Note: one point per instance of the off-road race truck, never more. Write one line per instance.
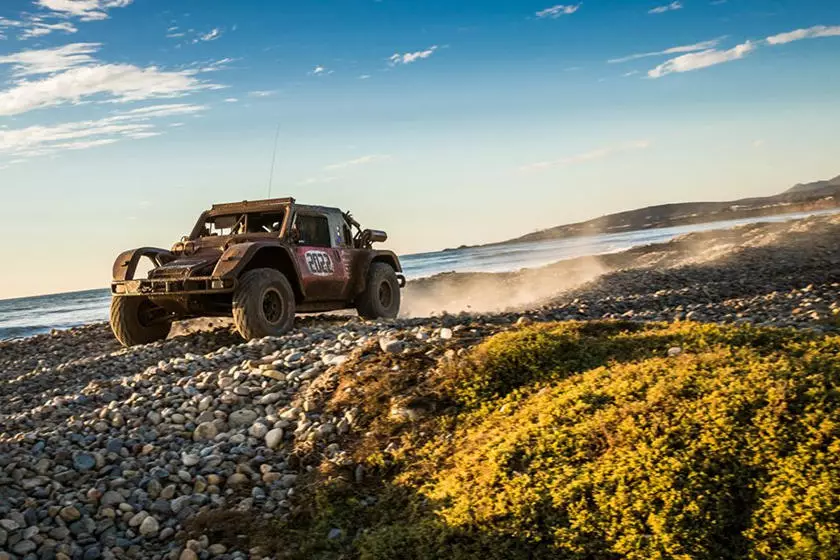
(260, 262)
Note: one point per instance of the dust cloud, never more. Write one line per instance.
(493, 292)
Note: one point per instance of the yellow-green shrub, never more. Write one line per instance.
(589, 441)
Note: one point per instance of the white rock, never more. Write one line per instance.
(271, 398)
(204, 431)
(391, 346)
(242, 418)
(274, 438)
(189, 459)
(149, 527)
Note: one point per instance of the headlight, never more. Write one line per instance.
(178, 248)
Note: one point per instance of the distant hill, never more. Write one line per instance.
(800, 198)
(815, 186)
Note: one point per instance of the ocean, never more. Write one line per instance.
(29, 316)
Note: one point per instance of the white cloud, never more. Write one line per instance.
(85, 10)
(40, 140)
(49, 61)
(262, 93)
(364, 77)
(117, 82)
(211, 35)
(159, 111)
(319, 71)
(38, 28)
(215, 66)
(809, 33)
(702, 46)
(231, 100)
(676, 5)
(600, 153)
(559, 10)
(34, 26)
(408, 58)
(703, 59)
(364, 160)
(73, 76)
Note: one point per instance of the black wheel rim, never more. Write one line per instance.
(149, 314)
(386, 295)
(272, 306)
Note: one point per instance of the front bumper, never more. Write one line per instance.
(173, 286)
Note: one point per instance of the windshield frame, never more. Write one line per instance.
(198, 229)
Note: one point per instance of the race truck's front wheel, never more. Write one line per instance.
(381, 298)
(263, 304)
(136, 320)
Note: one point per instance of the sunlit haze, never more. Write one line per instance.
(442, 122)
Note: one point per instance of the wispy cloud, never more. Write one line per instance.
(319, 71)
(408, 58)
(676, 5)
(70, 75)
(364, 160)
(34, 26)
(702, 46)
(703, 59)
(174, 32)
(713, 56)
(85, 10)
(809, 33)
(211, 35)
(262, 93)
(585, 157)
(49, 61)
(555, 12)
(231, 100)
(39, 29)
(135, 124)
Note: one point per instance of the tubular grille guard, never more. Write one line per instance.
(165, 286)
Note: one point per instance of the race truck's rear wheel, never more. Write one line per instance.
(263, 304)
(381, 298)
(136, 320)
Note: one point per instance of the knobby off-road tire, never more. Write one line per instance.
(132, 320)
(263, 304)
(381, 298)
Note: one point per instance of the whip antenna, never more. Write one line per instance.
(273, 160)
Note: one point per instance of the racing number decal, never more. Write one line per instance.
(319, 263)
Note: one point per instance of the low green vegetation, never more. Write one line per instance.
(601, 440)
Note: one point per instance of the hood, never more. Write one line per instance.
(200, 264)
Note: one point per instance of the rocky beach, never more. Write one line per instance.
(161, 451)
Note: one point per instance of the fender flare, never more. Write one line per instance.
(237, 257)
(374, 256)
(125, 264)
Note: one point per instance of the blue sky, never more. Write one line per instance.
(443, 122)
